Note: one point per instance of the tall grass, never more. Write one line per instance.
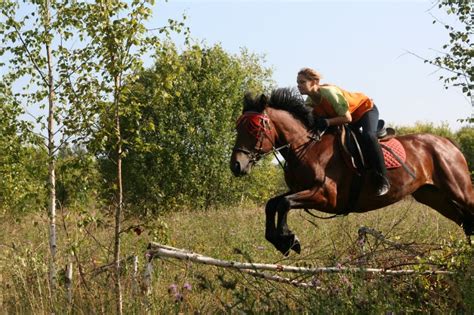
(423, 238)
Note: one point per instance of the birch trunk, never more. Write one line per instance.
(51, 149)
(118, 210)
(68, 280)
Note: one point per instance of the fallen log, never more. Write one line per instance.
(159, 250)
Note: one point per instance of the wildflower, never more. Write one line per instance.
(173, 289)
(315, 282)
(187, 286)
(345, 280)
(178, 297)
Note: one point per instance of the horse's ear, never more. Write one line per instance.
(249, 101)
(255, 103)
(262, 102)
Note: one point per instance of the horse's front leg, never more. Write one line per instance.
(287, 240)
(271, 208)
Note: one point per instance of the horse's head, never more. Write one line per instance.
(257, 134)
(254, 135)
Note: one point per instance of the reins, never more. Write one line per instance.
(323, 218)
(275, 152)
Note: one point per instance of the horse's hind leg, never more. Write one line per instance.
(435, 198)
(453, 180)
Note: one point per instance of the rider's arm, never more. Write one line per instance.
(339, 120)
(339, 103)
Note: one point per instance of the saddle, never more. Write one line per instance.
(352, 152)
(350, 143)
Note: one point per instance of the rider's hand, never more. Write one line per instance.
(320, 124)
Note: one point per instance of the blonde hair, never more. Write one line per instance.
(310, 74)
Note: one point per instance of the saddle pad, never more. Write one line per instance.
(398, 149)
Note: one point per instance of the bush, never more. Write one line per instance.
(179, 141)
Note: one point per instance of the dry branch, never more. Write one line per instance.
(158, 250)
(108, 266)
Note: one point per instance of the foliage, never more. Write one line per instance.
(459, 52)
(116, 42)
(21, 172)
(265, 181)
(465, 138)
(78, 181)
(423, 127)
(23, 166)
(188, 104)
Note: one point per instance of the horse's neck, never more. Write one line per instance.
(303, 147)
(289, 130)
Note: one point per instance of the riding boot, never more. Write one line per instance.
(382, 184)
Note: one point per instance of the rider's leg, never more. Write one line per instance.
(368, 122)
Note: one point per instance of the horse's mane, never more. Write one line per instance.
(290, 99)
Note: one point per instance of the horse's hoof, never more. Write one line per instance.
(287, 243)
(285, 250)
(296, 245)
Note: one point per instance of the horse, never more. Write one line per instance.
(318, 177)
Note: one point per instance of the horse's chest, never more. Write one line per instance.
(300, 177)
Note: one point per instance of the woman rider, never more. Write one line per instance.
(333, 106)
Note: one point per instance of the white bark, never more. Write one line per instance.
(51, 149)
(147, 284)
(159, 250)
(135, 276)
(119, 208)
(147, 277)
(69, 283)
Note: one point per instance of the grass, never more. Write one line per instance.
(422, 239)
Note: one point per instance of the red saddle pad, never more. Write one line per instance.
(398, 149)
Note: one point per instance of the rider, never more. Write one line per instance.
(333, 106)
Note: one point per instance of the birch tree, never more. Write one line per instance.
(74, 58)
(29, 40)
(115, 42)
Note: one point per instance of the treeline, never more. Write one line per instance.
(464, 137)
(177, 141)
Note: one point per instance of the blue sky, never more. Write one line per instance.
(358, 45)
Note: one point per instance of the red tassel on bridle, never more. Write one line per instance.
(256, 123)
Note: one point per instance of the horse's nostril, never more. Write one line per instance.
(236, 167)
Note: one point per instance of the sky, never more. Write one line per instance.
(366, 46)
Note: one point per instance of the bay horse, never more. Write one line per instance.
(318, 178)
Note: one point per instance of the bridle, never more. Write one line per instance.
(258, 125)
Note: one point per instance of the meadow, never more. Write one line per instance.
(414, 237)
